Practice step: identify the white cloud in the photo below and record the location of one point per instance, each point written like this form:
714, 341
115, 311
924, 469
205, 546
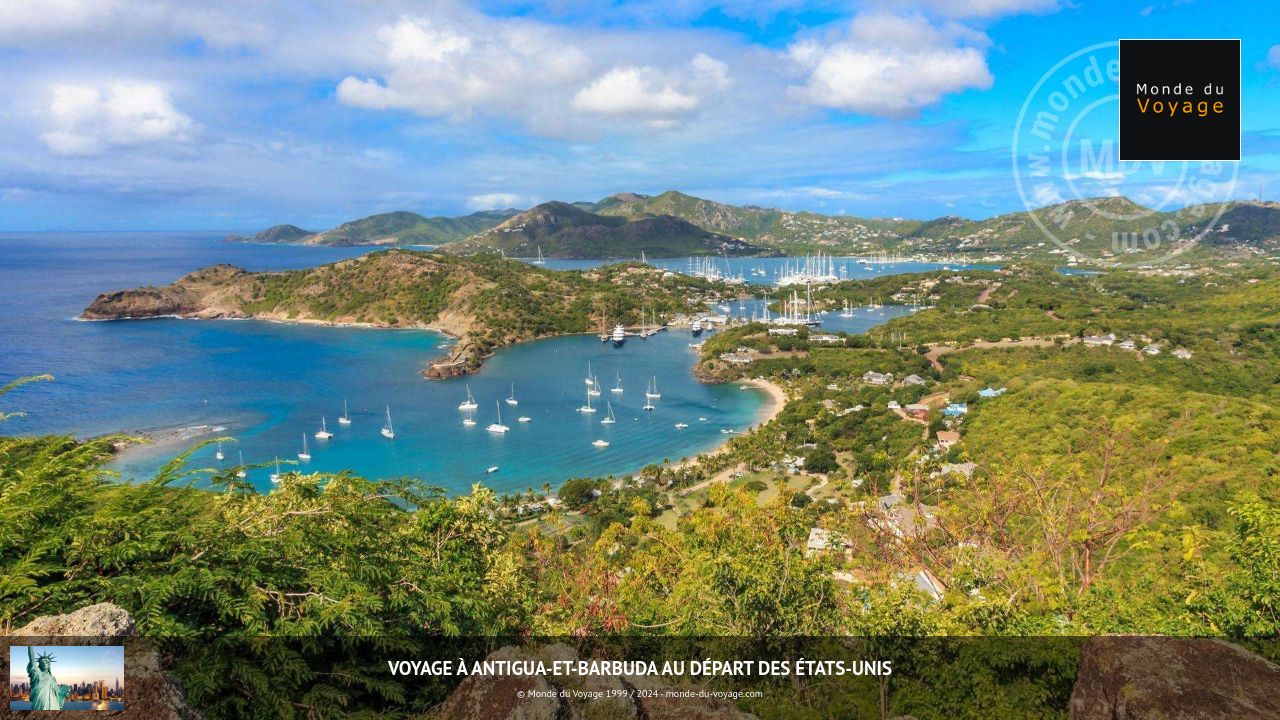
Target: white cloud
989, 8
458, 64
891, 66
497, 201
86, 120
445, 66
655, 96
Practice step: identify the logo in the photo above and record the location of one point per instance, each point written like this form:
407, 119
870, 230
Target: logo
1083, 197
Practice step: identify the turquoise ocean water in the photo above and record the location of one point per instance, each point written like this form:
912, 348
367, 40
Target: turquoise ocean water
268, 384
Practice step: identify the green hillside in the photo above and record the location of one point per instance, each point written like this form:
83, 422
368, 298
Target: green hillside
765, 226
561, 230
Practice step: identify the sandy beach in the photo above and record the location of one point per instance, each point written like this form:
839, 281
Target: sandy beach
777, 399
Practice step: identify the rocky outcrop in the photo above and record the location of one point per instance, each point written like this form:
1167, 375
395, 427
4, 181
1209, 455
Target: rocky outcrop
150, 693
574, 698
191, 295
1146, 678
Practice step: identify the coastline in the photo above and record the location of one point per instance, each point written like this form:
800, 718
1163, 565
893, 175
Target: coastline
776, 400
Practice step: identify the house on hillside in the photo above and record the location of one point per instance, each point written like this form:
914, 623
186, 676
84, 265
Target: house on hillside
822, 540
871, 377
929, 583
1152, 349
741, 356
947, 438
1182, 354
955, 409
991, 392
913, 380
1100, 340
893, 514
964, 469
917, 410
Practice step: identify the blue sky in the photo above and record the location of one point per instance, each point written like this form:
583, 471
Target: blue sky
73, 665
129, 114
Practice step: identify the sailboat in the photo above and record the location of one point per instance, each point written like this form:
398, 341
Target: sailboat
523, 418
587, 408
848, 311
643, 259
681, 426
594, 390
346, 416
388, 431
469, 403
498, 427
241, 473
512, 400
323, 433
610, 419
541, 260
218, 455
305, 454
590, 378
601, 443
652, 393
617, 387
275, 476
469, 420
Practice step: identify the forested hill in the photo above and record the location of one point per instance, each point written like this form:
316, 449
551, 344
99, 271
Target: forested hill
561, 230
392, 228
486, 302
1101, 230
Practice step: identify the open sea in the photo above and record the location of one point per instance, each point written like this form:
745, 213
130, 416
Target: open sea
269, 384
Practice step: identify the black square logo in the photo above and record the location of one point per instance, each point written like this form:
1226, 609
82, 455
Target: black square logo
1179, 100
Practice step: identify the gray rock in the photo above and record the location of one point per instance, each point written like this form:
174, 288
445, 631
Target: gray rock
1145, 678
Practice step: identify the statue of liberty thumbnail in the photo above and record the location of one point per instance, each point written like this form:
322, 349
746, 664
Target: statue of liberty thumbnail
46, 693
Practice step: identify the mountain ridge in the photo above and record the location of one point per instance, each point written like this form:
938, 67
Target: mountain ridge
673, 221
564, 230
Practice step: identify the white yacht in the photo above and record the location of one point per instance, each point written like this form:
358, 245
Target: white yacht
218, 455
697, 327
617, 387
241, 473
601, 443
305, 454
346, 416
275, 476
590, 379
323, 433
523, 418
469, 420
469, 403
587, 408
652, 393
388, 431
540, 260
619, 335
498, 427
609, 419
512, 400
681, 426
